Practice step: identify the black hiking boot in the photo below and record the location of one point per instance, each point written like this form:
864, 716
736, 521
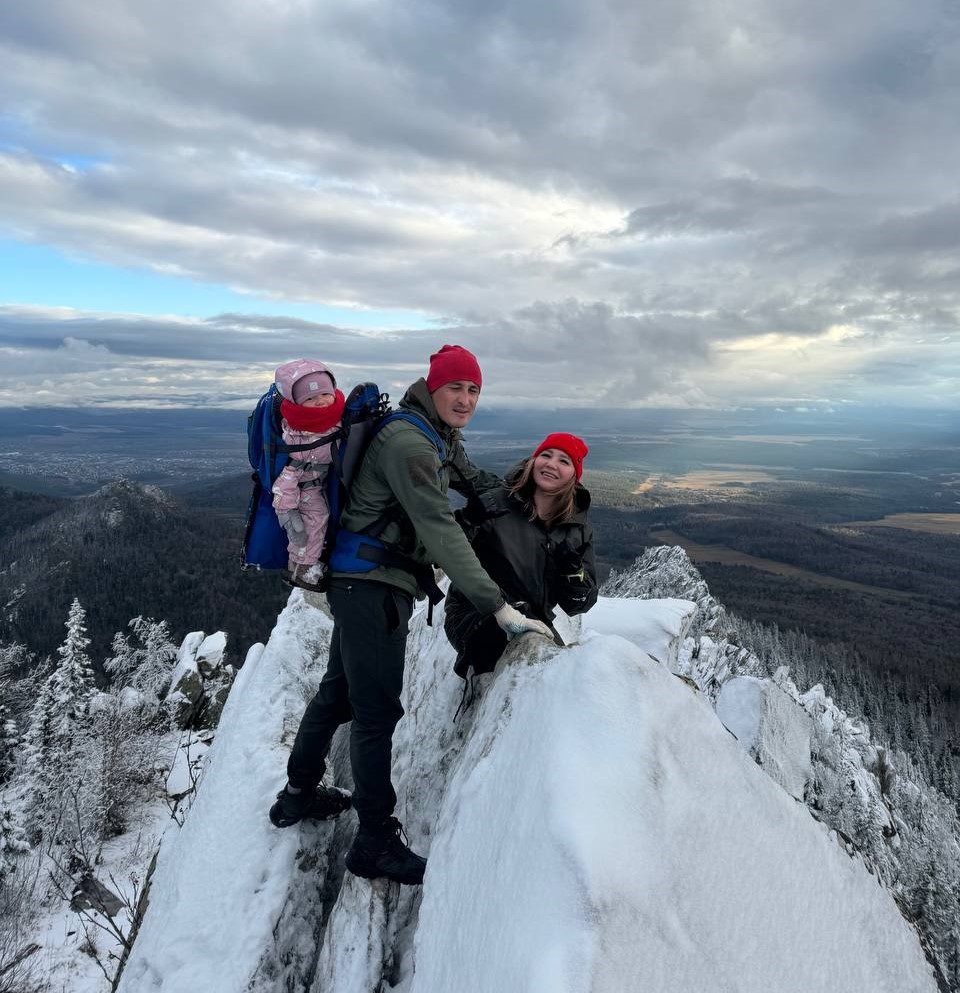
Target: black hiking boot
319, 804
379, 852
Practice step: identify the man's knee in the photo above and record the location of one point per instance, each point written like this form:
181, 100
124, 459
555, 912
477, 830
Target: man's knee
376, 717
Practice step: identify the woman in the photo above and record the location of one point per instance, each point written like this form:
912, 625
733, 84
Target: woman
535, 542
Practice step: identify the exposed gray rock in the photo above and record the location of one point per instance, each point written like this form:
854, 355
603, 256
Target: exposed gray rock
215, 696
185, 696
91, 894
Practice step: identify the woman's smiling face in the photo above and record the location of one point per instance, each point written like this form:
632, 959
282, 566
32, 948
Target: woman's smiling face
552, 470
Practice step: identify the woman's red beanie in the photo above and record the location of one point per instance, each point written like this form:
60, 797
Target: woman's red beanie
451, 363
575, 447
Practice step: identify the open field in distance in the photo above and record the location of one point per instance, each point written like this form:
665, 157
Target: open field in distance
931, 523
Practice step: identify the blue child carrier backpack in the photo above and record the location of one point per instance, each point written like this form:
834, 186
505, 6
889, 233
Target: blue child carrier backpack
365, 412
265, 541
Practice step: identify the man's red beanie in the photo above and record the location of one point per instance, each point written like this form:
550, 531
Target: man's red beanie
575, 447
451, 363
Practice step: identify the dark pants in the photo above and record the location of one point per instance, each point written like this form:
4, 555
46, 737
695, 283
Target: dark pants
362, 683
478, 638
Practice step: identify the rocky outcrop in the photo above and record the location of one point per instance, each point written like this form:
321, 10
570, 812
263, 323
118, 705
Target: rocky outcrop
200, 682
666, 571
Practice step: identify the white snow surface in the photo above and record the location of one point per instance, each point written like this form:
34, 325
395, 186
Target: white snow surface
657, 631
771, 727
590, 824
739, 707
222, 884
187, 657
211, 650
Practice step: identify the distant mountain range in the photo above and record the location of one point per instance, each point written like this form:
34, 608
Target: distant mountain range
129, 549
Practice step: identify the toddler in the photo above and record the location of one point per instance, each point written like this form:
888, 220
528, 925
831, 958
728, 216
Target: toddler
312, 407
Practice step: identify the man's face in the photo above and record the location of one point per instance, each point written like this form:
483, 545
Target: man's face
456, 402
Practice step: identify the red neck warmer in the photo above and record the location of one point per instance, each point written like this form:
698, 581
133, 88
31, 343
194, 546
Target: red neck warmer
316, 420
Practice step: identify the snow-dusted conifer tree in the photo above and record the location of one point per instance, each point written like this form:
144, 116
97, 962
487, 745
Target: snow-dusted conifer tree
41, 732
9, 740
157, 655
147, 667
8, 731
11, 842
59, 725
73, 678
121, 665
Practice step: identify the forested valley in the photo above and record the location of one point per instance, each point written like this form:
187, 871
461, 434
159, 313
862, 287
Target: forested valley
891, 658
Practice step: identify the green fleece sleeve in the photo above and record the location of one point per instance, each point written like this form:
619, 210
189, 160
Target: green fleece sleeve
412, 471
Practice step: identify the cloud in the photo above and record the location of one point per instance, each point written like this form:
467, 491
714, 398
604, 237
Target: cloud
571, 354
604, 193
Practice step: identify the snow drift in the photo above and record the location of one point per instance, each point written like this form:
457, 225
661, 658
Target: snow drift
590, 825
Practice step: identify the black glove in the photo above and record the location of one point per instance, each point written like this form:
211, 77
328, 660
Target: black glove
569, 562
479, 508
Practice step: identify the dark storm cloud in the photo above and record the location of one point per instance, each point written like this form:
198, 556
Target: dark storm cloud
239, 337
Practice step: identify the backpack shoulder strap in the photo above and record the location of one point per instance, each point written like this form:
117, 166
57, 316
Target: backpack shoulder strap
394, 513
419, 422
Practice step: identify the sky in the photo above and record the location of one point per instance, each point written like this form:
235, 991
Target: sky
667, 204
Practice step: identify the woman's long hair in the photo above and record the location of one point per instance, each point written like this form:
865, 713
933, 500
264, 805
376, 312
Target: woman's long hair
564, 505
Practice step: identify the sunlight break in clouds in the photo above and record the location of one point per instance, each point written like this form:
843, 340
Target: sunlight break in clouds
672, 203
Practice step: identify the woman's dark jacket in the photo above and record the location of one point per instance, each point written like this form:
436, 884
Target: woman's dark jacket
538, 567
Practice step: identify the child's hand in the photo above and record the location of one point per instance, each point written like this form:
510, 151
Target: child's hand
291, 522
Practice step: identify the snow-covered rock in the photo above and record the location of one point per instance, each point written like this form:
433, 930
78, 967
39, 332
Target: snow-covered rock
210, 654
771, 727
881, 806
665, 625
590, 825
186, 664
200, 681
666, 571
215, 697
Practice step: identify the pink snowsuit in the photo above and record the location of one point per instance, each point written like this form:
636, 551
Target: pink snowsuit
290, 489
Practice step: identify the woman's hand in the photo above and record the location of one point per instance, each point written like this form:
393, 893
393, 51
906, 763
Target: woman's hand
569, 562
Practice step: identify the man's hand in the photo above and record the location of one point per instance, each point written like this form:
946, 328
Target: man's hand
291, 522
513, 623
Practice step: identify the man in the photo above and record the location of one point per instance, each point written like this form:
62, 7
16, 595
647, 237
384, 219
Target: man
401, 493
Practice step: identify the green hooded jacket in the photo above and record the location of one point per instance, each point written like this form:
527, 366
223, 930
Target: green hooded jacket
401, 467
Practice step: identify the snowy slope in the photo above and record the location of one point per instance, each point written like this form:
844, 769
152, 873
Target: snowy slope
604, 833
591, 826
223, 885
